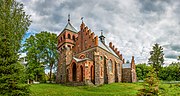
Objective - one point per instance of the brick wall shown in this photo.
(85, 40)
(126, 76)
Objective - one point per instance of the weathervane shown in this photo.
(82, 18)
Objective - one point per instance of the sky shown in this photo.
(133, 26)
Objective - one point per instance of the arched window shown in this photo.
(74, 38)
(69, 46)
(119, 68)
(81, 77)
(67, 76)
(82, 56)
(110, 66)
(64, 36)
(69, 36)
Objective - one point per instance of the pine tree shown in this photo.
(151, 85)
(157, 58)
(13, 25)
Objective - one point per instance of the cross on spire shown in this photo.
(101, 32)
(68, 18)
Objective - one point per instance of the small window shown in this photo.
(69, 36)
(74, 38)
(82, 57)
(85, 44)
(61, 77)
(64, 37)
(61, 38)
(101, 58)
(101, 71)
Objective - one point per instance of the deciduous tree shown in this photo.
(34, 69)
(42, 49)
(141, 71)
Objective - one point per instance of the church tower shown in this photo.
(66, 41)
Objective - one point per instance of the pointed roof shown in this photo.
(107, 48)
(70, 27)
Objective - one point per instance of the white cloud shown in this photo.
(132, 25)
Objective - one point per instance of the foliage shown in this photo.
(141, 71)
(34, 70)
(157, 58)
(13, 25)
(41, 50)
(170, 73)
(151, 85)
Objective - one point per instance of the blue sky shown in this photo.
(132, 25)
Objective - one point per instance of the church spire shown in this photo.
(69, 26)
(102, 38)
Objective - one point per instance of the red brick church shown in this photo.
(86, 59)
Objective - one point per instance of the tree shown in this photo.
(49, 53)
(141, 71)
(34, 67)
(157, 58)
(13, 25)
(42, 49)
(151, 84)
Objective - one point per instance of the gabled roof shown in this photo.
(70, 27)
(107, 48)
(79, 60)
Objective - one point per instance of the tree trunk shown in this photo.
(36, 78)
(50, 75)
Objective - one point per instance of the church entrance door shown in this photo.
(92, 74)
(74, 71)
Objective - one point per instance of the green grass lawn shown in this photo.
(115, 89)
